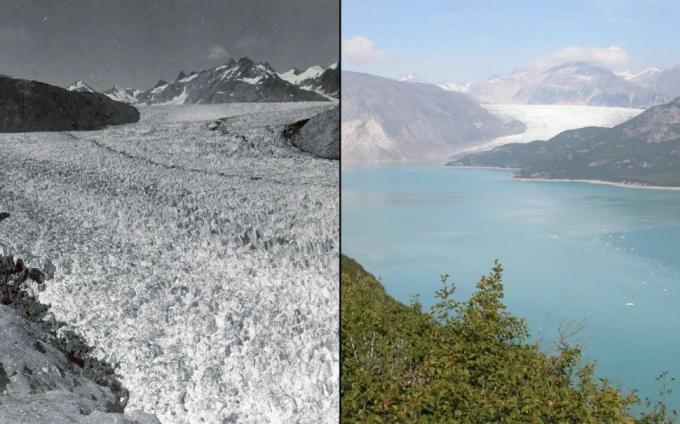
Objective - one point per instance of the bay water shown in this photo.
(600, 257)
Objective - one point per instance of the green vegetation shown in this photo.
(644, 150)
(463, 362)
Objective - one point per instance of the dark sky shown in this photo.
(134, 43)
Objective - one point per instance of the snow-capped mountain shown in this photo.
(410, 78)
(666, 81)
(80, 87)
(315, 78)
(455, 86)
(569, 83)
(125, 95)
(295, 76)
(644, 78)
(239, 80)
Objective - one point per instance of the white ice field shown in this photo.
(546, 121)
(204, 262)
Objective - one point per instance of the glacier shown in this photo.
(196, 249)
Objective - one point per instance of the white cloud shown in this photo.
(361, 51)
(218, 52)
(612, 57)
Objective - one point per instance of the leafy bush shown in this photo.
(462, 361)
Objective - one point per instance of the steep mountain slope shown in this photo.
(239, 80)
(388, 120)
(668, 82)
(35, 106)
(644, 150)
(569, 83)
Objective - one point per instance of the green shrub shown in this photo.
(462, 361)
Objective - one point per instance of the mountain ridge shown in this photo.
(385, 120)
(35, 106)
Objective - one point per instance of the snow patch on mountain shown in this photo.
(411, 78)
(81, 87)
(325, 82)
(455, 86)
(235, 81)
(125, 95)
(295, 76)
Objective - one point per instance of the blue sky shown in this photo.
(442, 41)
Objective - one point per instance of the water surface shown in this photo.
(572, 252)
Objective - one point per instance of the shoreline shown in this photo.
(569, 180)
(485, 168)
(599, 182)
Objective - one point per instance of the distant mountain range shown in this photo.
(665, 81)
(237, 80)
(570, 83)
(577, 83)
(388, 120)
(34, 106)
(644, 150)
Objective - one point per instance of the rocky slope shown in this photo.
(644, 150)
(319, 135)
(388, 120)
(236, 81)
(34, 106)
(47, 372)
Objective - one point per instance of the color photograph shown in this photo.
(510, 211)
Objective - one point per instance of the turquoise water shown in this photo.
(605, 256)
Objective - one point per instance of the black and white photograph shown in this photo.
(169, 211)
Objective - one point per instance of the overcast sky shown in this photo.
(469, 40)
(134, 43)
